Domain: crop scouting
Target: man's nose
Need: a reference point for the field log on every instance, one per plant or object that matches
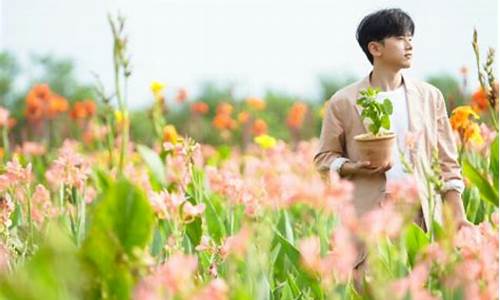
(409, 45)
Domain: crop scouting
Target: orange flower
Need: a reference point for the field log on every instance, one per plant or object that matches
(11, 122)
(296, 115)
(256, 103)
(41, 103)
(78, 111)
(40, 92)
(460, 117)
(2, 152)
(57, 105)
(259, 127)
(223, 121)
(480, 100)
(181, 95)
(37, 100)
(243, 117)
(83, 109)
(91, 107)
(224, 108)
(199, 108)
(223, 118)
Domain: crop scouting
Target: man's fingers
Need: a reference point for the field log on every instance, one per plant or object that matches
(364, 164)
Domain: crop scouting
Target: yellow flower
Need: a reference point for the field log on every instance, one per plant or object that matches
(473, 134)
(265, 141)
(157, 87)
(120, 117)
(170, 134)
(460, 117)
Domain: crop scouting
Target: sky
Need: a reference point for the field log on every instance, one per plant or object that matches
(256, 45)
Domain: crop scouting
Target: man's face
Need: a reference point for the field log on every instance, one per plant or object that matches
(396, 51)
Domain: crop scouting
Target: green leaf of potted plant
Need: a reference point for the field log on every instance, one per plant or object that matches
(376, 145)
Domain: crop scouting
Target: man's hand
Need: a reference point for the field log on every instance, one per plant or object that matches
(453, 200)
(362, 168)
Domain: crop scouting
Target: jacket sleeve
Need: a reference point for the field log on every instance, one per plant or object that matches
(447, 149)
(332, 137)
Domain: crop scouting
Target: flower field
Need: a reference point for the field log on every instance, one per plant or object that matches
(86, 212)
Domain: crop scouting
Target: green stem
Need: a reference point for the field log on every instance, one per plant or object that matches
(110, 140)
(5, 143)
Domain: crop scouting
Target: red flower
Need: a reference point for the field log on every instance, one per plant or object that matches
(199, 108)
(480, 100)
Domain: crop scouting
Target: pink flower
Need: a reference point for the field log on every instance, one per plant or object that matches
(468, 239)
(4, 117)
(157, 201)
(32, 148)
(177, 170)
(190, 211)
(383, 221)
(6, 209)
(69, 168)
(177, 271)
(41, 205)
(310, 251)
(172, 279)
(494, 218)
(217, 289)
(4, 259)
(435, 253)
(339, 261)
(413, 284)
(236, 244)
(339, 192)
(343, 253)
(16, 174)
(405, 191)
(205, 244)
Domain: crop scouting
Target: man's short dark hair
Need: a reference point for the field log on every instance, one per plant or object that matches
(383, 24)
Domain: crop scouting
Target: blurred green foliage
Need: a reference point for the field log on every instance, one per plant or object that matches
(60, 75)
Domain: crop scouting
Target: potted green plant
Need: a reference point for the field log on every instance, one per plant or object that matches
(376, 145)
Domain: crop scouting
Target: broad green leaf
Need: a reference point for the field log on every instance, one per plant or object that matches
(388, 106)
(486, 189)
(289, 249)
(154, 163)
(386, 122)
(194, 231)
(285, 227)
(53, 272)
(213, 214)
(473, 203)
(415, 240)
(121, 224)
(494, 161)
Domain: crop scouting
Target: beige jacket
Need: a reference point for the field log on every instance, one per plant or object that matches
(427, 118)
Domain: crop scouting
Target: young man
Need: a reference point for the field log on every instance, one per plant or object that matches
(386, 37)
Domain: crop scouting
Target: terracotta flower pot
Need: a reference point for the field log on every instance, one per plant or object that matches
(376, 149)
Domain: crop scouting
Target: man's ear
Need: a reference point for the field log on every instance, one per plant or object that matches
(375, 48)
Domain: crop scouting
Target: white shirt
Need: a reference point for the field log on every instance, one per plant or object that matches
(399, 125)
